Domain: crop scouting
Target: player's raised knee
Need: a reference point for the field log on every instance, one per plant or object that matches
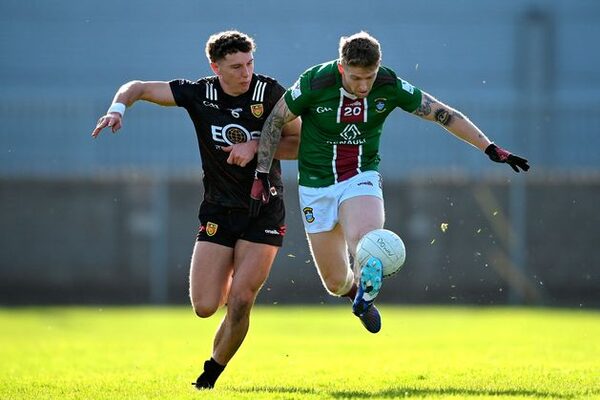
(204, 310)
(337, 286)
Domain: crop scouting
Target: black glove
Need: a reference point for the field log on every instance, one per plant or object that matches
(260, 192)
(498, 154)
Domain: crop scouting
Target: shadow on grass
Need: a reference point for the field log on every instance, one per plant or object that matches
(393, 393)
(399, 392)
(276, 389)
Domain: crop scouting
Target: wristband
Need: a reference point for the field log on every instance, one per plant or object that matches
(118, 108)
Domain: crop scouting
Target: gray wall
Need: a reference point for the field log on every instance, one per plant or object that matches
(113, 219)
(129, 239)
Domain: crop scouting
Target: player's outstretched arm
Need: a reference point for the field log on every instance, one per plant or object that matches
(452, 120)
(460, 126)
(154, 92)
(271, 134)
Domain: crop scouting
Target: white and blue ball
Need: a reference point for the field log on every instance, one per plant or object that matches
(386, 246)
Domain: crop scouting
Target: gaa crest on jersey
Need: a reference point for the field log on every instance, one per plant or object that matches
(308, 214)
(380, 104)
(211, 228)
(257, 110)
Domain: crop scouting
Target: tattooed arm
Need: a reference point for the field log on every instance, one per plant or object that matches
(452, 120)
(290, 139)
(271, 134)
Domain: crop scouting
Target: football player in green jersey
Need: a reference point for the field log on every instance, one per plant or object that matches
(343, 104)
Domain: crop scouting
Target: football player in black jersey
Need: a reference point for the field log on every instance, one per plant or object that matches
(234, 252)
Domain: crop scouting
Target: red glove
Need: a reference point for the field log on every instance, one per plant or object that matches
(260, 192)
(498, 154)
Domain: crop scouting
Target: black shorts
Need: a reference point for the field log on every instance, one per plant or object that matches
(226, 225)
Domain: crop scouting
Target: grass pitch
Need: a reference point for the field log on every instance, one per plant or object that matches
(316, 352)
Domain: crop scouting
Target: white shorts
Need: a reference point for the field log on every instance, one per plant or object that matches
(320, 206)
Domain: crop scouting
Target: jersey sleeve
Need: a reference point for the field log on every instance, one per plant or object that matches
(183, 91)
(297, 97)
(274, 95)
(409, 96)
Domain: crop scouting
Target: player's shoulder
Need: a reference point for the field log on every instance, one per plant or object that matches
(210, 82)
(268, 82)
(198, 84)
(205, 87)
(385, 76)
(322, 76)
(265, 87)
(266, 79)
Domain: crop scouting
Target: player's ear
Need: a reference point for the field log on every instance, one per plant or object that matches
(215, 67)
(340, 68)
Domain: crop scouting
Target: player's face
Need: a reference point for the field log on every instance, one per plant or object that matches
(235, 72)
(358, 80)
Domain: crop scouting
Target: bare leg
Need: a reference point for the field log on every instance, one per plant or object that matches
(210, 277)
(358, 215)
(252, 264)
(372, 216)
(370, 210)
(331, 258)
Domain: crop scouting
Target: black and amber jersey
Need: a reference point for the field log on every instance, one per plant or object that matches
(221, 120)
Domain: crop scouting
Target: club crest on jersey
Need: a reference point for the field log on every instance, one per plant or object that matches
(380, 104)
(308, 214)
(257, 110)
(211, 228)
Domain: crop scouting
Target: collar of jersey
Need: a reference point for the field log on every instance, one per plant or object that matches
(228, 96)
(347, 93)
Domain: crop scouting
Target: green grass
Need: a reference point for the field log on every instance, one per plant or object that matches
(318, 352)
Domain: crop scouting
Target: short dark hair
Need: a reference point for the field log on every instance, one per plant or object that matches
(360, 50)
(228, 42)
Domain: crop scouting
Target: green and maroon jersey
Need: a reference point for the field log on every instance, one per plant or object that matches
(340, 132)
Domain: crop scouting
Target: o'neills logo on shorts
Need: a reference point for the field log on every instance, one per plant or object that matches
(308, 214)
(279, 231)
(211, 228)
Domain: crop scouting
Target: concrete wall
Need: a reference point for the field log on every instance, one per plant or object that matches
(129, 239)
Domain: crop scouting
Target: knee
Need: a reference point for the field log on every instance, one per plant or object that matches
(240, 304)
(339, 285)
(204, 310)
(332, 285)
